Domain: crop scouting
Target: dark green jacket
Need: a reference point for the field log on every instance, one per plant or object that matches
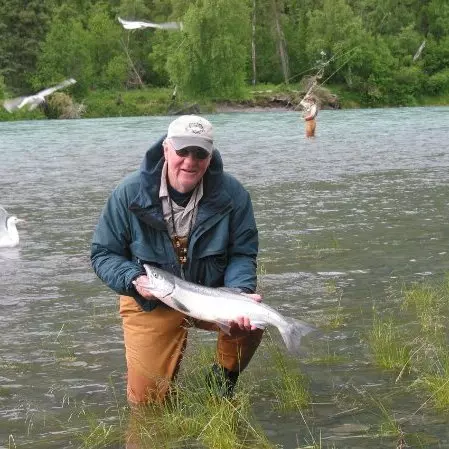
(131, 231)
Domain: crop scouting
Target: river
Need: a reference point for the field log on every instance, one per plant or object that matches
(344, 220)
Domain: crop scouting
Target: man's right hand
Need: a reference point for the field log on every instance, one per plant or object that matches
(140, 284)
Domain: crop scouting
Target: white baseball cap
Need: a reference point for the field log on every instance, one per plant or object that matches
(191, 131)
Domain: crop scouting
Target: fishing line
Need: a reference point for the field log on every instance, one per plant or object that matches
(333, 73)
(316, 84)
(321, 65)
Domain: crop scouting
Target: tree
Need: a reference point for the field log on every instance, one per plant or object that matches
(104, 48)
(295, 28)
(65, 54)
(22, 27)
(2, 88)
(138, 45)
(337, 32)
(280, 40)
(387, 17)
(438, 17)
(211, 54)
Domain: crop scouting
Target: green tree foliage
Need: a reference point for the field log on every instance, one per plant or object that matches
(295, 29)
(387, 17)
(438, 17)
(368, 45)
(157, 59)
(143, 46)
(268, 63)
(22, 27)
(211, 56)
(65, 54)
(110, 65)
(338, 32)
(2, 88)
(436, 57)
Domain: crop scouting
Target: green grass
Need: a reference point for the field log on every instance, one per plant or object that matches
(429, 302)
(154, 101)
(386, 340)
(192, 415)
(417, 341)
(289, 386)
(435, 379)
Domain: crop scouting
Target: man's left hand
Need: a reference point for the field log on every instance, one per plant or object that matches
(243, 322)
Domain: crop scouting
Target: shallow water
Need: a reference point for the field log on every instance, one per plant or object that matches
(362, 208)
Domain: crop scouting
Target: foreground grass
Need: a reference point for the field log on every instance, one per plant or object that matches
(387, 345)
(194, 416)
(289, 386)
(416, 340)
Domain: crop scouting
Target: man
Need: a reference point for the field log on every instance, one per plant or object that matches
(309, 113)
(182, 213)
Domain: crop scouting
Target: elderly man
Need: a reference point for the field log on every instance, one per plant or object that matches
(180, 212)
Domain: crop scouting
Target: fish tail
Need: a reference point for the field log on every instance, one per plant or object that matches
(293, 331)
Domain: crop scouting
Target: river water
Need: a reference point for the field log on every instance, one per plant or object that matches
(344, 219)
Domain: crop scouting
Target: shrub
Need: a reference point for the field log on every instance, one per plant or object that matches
(438, 83)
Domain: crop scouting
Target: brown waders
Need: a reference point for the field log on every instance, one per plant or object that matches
(155, 342)
(310, 127)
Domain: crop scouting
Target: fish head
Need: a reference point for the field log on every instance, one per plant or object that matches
(160, 283)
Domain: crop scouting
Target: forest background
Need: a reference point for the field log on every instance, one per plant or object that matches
(248, 52)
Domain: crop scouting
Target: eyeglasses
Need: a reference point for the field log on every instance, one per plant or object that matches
(196, 152)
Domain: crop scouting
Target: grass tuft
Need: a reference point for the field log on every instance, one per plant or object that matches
(387, 346)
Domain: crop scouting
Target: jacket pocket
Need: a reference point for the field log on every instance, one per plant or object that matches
(212, 268)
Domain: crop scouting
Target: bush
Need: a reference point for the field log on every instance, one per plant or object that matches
(61, 105)
(406, 83)
(116, 73)
(438, 83)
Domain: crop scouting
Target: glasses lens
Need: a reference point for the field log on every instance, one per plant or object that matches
(197, 153)
(183, 152)
(200, 153)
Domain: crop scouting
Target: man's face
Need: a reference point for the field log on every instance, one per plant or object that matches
(184, 173)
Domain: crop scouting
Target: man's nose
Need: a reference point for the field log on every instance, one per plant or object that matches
(190, 158)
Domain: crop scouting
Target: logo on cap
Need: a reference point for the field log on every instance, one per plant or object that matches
(195, 128)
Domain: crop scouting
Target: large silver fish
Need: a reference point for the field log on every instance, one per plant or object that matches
(221, 305)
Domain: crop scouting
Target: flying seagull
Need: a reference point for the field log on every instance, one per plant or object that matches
(9, 236)
(33, 101)
(129, 25)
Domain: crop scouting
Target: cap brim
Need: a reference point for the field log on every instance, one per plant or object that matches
(183, 142)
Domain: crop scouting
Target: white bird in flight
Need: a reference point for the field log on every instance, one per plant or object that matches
(33, 101)
(134, 25)
(9, 236)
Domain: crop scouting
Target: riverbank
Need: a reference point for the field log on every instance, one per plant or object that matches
(160, 101)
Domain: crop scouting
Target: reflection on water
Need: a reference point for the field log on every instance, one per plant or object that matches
(361, 208)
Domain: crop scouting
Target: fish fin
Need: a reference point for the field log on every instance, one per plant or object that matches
(293, 331)
(224, 326)
(180, 306)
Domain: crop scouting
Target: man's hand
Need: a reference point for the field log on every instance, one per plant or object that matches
(243, 322)
(140, 284)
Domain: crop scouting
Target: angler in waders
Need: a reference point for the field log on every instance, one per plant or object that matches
(309, 113)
